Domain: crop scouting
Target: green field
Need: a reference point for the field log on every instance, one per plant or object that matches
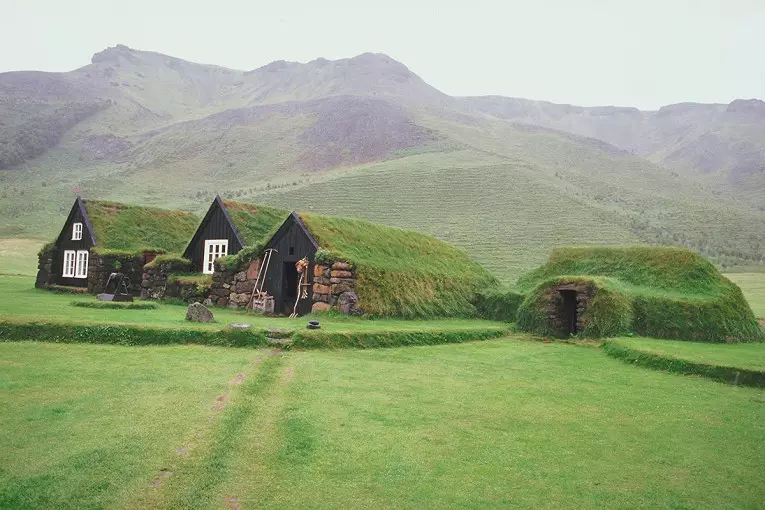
(497, 423)
(738, 355)
(22, 302)
(753, 286)
(19, 256)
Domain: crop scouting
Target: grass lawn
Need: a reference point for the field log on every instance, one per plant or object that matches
(21, 301)
(497, 423)
(739, 355)
(19, 256)
(753, 286)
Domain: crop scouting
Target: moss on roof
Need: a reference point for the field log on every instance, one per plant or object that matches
(399, 272)
(132, 228)
(254, 222)
(653, 291)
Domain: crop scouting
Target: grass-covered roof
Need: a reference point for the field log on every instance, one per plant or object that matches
(400, 272)
(127, 228)
(254, 222)
(654, 291)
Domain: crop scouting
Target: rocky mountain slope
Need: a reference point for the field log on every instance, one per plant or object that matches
(722, 144)
(507, 178)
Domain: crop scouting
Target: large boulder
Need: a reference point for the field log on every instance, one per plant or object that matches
(197, 312)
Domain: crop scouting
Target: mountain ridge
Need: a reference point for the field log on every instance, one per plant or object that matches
(153, 129)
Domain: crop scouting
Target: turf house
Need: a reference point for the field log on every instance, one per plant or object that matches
(101, 237)
(319, 263)
(226, 228)
(662, 292)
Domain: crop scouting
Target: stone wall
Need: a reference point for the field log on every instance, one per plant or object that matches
(101, 266)
(334, 288)
(45, 275)
(154, 281)
(233, 288)
(555, 312)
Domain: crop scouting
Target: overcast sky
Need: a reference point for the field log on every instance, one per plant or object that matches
(643, 53)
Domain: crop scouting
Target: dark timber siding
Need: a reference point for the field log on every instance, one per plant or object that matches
(290, 235)
(65, 243)
(215, 225)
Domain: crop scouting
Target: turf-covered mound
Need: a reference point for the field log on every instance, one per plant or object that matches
(127, 228)
(254, 222)
(401, 273)
(652, 291)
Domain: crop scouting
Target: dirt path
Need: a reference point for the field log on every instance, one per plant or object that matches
(260, 440)
(193, 469)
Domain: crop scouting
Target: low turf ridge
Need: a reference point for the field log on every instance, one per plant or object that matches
(131, 228)
(651, 291)
(748, 356)
(399, 272)
(742, 364)
(34, 313)
(499, 423)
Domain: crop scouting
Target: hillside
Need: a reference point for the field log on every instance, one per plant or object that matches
(723, 145)
(507, 179)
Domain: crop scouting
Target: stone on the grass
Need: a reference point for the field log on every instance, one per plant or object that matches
(320, 307)
(197, 312)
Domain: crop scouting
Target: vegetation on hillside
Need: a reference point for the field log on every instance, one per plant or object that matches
(360, 137)
(651, 291)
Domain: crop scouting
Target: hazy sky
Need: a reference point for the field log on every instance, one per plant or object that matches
(643, 53)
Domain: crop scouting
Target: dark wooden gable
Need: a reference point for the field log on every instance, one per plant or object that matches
(216, 224)
(292, 241)
(78, 214)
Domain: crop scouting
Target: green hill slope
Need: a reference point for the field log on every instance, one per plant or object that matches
(364, 137)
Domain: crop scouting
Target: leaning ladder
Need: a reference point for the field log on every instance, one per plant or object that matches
(257, 296)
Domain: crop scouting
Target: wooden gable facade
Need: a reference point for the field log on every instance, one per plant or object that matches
(72, 248)
(291, 242)
(216, 236)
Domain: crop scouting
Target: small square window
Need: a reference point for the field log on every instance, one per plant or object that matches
(76, 231)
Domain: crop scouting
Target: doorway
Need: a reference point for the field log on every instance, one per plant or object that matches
(570, 315)
(289, 287)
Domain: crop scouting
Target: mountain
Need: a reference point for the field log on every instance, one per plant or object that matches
(505, 178)
(723, 145)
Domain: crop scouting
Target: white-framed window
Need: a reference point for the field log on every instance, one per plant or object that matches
(214, 249)
(75, 264)
(76, 231)
(69, 263)
(81, 270)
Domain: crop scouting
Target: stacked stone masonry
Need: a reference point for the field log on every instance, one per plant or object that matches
(157, 283)
(334, 288)
(233, 288)
(555, 313)
(100, 267)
